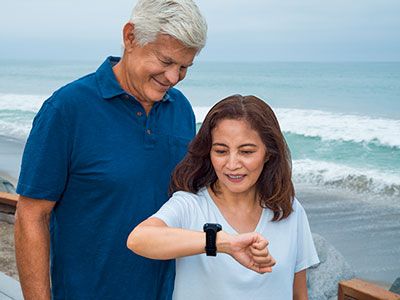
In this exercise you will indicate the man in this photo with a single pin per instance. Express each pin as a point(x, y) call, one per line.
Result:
point(98, 161)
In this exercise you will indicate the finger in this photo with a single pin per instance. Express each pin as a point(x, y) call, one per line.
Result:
point(267, 261)
point(270, 262)
point(261, 268)
point(259, 252)
point(260, 244)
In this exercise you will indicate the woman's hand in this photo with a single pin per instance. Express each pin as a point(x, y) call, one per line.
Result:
point(249, 249)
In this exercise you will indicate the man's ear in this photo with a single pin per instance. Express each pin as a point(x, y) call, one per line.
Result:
point(129, 36)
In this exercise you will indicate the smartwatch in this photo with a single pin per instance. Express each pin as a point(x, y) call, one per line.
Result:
point(211, 230)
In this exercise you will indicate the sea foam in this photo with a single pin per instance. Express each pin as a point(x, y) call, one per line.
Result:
point(17, 112)
point(342, 176)
point(336, 126)
point(333, 126)
point(21, 102)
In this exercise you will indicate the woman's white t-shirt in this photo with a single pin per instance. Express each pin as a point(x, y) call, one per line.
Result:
point(201, 277)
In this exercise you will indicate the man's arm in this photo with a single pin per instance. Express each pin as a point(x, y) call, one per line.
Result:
point(32, 247)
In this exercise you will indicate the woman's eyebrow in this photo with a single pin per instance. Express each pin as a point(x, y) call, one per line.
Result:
point(240, 146)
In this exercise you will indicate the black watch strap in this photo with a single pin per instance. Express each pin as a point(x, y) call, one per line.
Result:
point(211, 230)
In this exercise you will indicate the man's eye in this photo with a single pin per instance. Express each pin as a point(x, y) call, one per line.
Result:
point(164, 62)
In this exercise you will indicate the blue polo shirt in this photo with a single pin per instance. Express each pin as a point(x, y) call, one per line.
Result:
point(107, 165)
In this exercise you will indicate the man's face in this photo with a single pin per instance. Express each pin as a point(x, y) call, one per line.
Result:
point(149, 71)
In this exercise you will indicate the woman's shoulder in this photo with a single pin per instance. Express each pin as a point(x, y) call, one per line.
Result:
point(298, 209)
point(296, 205)
point(189, 197)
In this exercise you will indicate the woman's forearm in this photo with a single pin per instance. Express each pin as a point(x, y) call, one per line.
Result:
point(165, 242)
point(154, 239)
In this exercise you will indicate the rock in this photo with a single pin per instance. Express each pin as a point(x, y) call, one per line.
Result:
point(6, 186)
point(395, 288)
point(323, 279)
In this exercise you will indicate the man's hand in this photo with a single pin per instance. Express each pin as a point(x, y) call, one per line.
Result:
point(249, 249)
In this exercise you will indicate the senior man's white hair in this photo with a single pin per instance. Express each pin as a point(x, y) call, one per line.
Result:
point(180, 19)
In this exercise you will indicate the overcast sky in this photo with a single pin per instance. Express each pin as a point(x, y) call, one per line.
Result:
point(239, 30)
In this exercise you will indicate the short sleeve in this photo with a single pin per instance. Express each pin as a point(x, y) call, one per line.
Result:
point(175, 212)
point(44, 168)
point(306, 253)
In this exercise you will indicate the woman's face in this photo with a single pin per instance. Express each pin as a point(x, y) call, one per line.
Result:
point(237, 155)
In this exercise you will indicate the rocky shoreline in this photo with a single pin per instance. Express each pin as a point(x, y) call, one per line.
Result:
point(7, 256)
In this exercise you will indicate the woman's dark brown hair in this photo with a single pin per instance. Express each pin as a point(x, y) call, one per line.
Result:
point(274, 186)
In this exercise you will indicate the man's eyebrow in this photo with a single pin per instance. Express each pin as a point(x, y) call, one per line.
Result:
point(169, 59)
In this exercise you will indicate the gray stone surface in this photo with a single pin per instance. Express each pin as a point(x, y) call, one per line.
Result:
point(9, 288)
point(7, 256)
point(6, 186)
point(323, 279)
point(395, 288)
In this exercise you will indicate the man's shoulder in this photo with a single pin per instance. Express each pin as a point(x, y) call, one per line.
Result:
point(177, 96)
point(73, 92)
point(77, 87)
point(180, 103)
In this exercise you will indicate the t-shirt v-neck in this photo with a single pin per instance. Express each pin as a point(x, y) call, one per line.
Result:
point(260, 224)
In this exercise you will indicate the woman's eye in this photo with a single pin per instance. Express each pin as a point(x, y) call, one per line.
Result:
point(246, 152)
point(220, 151)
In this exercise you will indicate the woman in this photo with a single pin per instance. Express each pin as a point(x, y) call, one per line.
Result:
point(236, 175)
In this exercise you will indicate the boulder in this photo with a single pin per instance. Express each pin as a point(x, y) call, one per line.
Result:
point(395, 288)
point(6, 186)
point(323, 279)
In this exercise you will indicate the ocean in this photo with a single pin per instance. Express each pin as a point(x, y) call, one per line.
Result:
point(341, 120)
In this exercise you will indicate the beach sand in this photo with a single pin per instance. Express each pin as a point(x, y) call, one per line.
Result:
point(366, 230)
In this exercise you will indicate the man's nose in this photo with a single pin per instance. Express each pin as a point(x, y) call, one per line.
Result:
point(172, 75)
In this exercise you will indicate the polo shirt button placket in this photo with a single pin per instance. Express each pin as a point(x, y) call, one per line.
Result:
point(149, 139)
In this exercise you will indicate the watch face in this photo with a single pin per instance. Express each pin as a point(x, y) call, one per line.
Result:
point(212, 226)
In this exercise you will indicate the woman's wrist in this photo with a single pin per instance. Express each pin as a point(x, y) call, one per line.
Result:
point(223, 242)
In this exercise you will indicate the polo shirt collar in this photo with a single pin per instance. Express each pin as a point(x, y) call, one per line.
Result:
point(108, 83)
